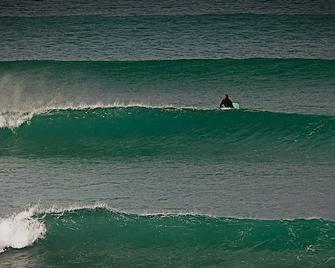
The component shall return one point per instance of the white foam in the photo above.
(62, 209)
(20, 230)
(14, 119)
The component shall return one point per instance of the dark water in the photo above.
(84, 37)
(113, 151)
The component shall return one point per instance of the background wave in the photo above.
(290, 68)
(170, 36)
(149, 7)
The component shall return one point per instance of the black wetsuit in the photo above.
(226, 103)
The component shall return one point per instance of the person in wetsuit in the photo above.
(226, 102)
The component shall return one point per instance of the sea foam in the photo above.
(14, 119)
(20, 230)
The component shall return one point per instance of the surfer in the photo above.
(226, 102)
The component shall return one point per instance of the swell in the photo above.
(154, 8)
(31, 85)
(145, 131)
(222, 36)
(83, 235)
(288, 68)
(290, 85)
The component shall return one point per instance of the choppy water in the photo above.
(113, 151)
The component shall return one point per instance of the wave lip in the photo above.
(20, 230)
(40, 85)
(13, 120)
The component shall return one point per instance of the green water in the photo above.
(165, 132)
(113, 150)
(102, 237)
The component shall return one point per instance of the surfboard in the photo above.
(235, 104)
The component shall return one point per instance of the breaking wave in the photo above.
(85, 234)
(142, 131)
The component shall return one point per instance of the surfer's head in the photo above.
(226, 97)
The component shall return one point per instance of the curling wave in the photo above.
(83, 235)
(143, 131)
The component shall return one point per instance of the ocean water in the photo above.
(113, 152)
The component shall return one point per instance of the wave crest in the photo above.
(99, 222)
(133, 130)
(21, 230)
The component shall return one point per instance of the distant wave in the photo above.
(157, 8)
(284, 63)
(53, 75)
(90, 230)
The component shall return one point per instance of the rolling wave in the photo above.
(83, 235)
(288, 85)
(286, 67)
(148, 131)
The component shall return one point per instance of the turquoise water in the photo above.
(170, 132)
(113, 152)
(277, 85)
(131, 240)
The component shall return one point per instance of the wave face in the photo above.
(142, 131)
(286, 85)
(94, 236)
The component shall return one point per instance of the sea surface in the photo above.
(113, 152)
